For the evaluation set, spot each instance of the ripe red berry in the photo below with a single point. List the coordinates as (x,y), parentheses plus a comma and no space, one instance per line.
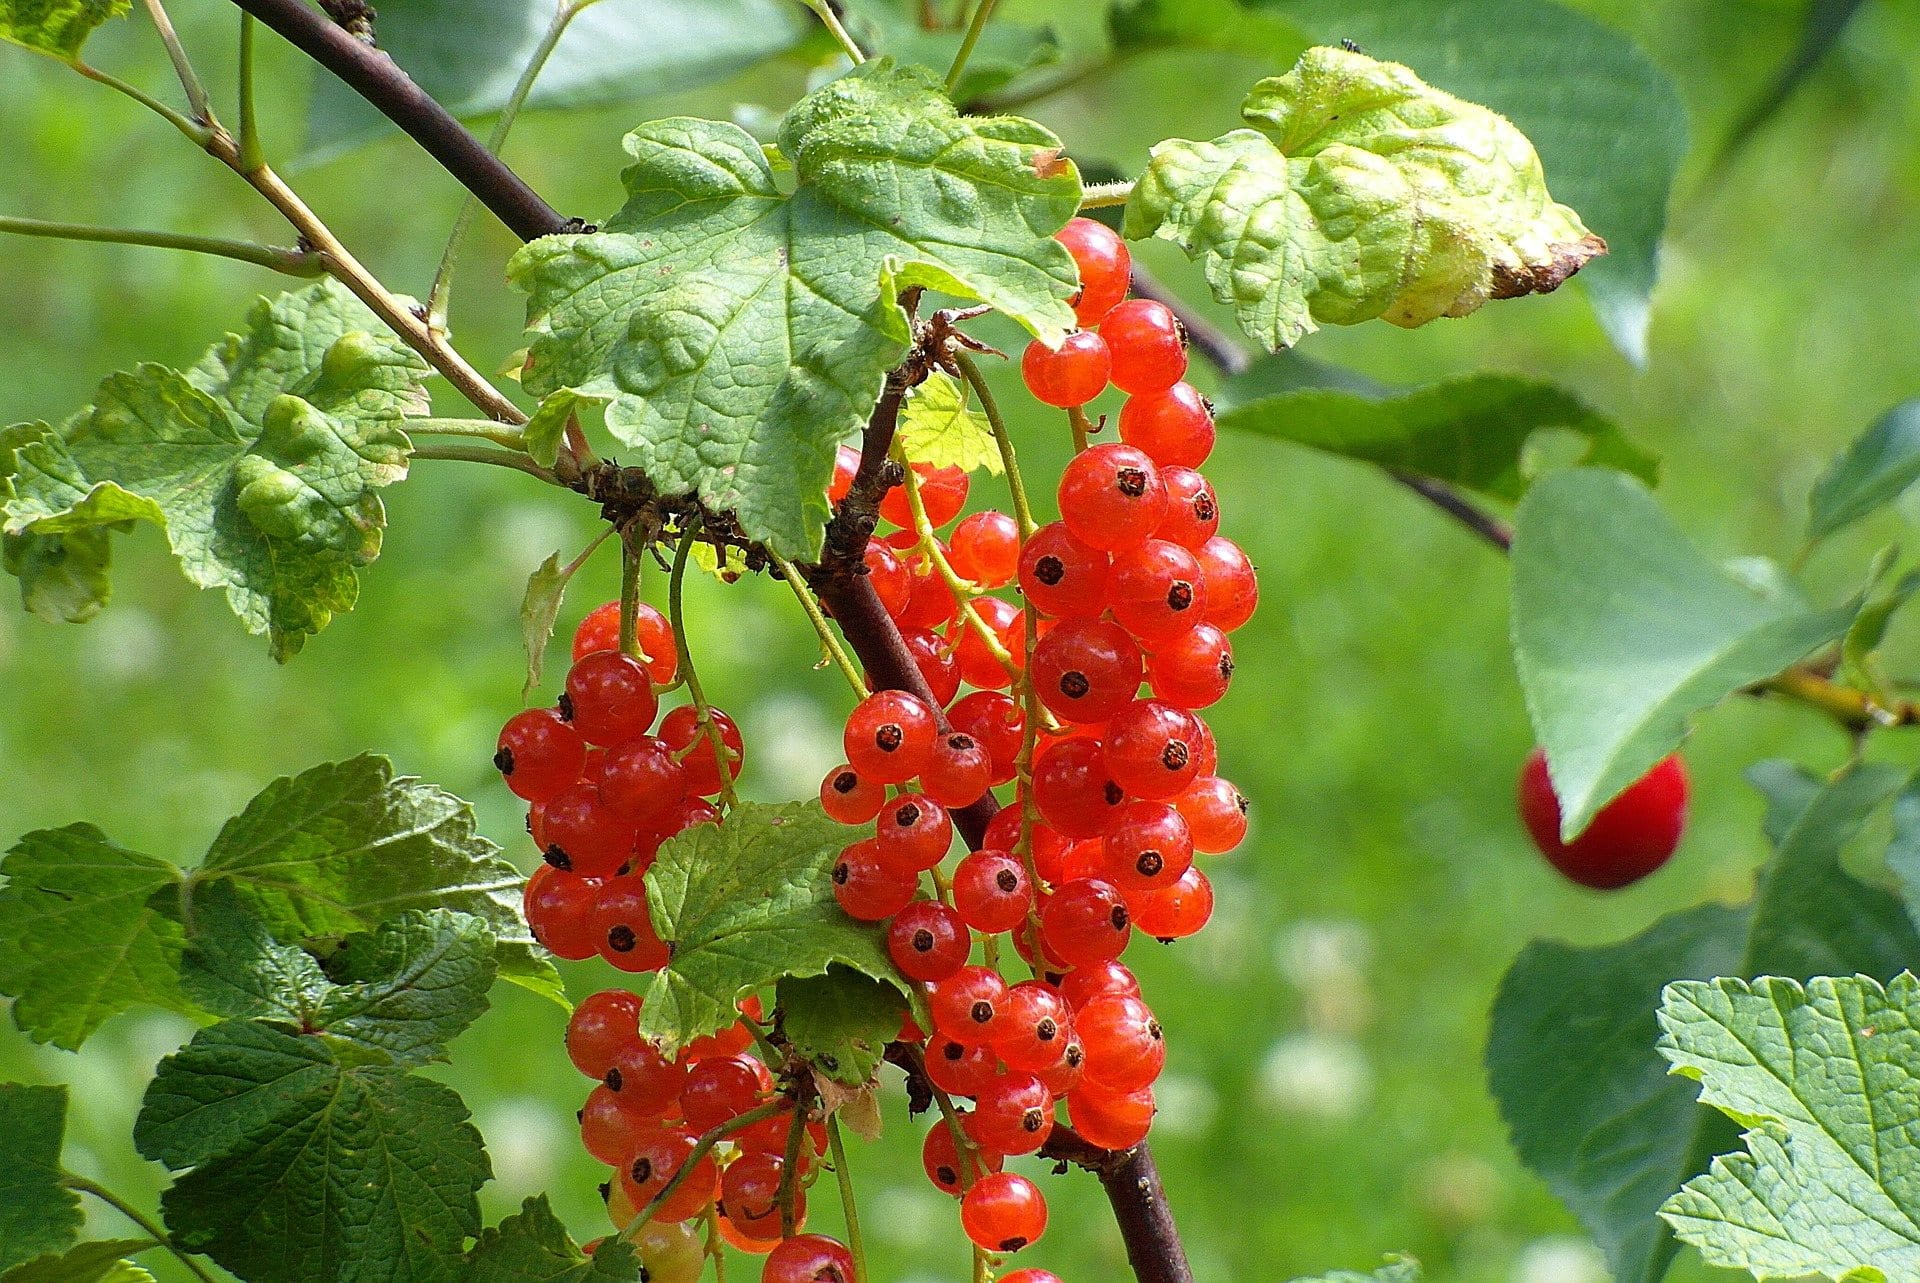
(627,938)
(1003,1212)
(600,630)
(1106,268)
(750,1193)
(641,780)
(1157,591)
(931,604)
(1216,814)
(1083,984)
(1111,1121)
(850,797)
(960,1068)
(584,835)
(1148,344)
(1152,748)
(1035,1028)
(1063,576)
(539,754)
(943,493)
(681,731)
(1087,670)
(609,1131)
(997,724)
(913,832)
(1631,836)
(611,697)
(1148,849)
(1085,922)
(1174,426)
(1111,496)
(978,664)
(935,659)
(808,1258)
(889,736)
(869,888)
(1193,510)
(846,462)
(653,1167)
(1013,1114)
(559,911)
(1123,1041)
(731,1041)
(940,1155)
(1003,834)
(991,892)
(1175,912)
(721,1088)
(1030,1276)
(646,1082)
(928,941)
(1232,588)
(1192,670)
(1072,374)
(966,1005)
(1073,790)
(986,548)
(604,1025)
(959,772)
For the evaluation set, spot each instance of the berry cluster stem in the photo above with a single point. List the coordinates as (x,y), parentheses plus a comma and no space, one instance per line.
(981,12)
(701,1148)
(962,590)
(831,21)
(1082,428)
(848,1206)
(1009,459)
(790,1168)
(703,711)
(81,1184)
(824,630)
(632,560)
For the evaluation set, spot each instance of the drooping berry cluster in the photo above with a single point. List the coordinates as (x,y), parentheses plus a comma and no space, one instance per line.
(605,788)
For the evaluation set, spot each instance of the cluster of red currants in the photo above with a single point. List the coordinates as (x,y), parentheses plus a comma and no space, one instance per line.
(1115,792)
(605,789)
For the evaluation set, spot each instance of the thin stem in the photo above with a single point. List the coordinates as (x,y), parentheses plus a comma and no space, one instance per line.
(1009,461)
(701,1148)
(818,618)
(847,1204)
(703,711)
(716,1247)
(202,135)
(1105,195)
(483,429)
(831,21)
(251,155)
(981,13)
(563,15)
(962,590)
(147,1226)
(486,454)
(790,1170)
(1082,427)
(182,66)
(293,262)
(632,560)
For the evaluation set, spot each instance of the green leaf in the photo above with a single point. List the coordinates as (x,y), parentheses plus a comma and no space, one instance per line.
(1822,1078)
(1609,125)
(56,28)
(87,929)
(1903,851)
(1471,431)
(1857,649)
(409,988)
(740,333)
(939,428)
(546,591)
(1622,630)
(307,1164)
(101,1261)
(533,1247)
(38,1214)
(235,968)
(1223,25)
(468,53)
(1398,1269)
(1825,22)
(1360,192)
(63,578)
(841,1022)
(745,904)
(1004,52)
(262,463)
(1874,471)
(548,426)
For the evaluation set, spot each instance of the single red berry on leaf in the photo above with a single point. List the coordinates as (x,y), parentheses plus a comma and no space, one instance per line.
(914,832)
(1632,835)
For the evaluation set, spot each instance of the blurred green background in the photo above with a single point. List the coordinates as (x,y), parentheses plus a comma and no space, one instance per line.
(1324,1100)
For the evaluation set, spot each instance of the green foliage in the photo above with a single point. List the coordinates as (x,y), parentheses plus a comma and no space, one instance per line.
(1472,431)
(38,1214)
(57,28)
(1600,575)
(262,463)
(546,591)
(739,333)
(1224,25)
(747,903)
(533,1247)
(1005,51)
(100,1261)
(466,54)
(548,426)
(840,1022)
(1874,471)
(939,428)
(1822,1078)
(1397,1269)
(1360,192)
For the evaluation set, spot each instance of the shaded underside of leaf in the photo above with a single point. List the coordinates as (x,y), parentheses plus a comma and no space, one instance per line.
(38,1214)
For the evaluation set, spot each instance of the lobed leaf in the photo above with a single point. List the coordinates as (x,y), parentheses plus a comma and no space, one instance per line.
(57,28)
(97,1261)
(38,1213)
(533,1247)
(840,1022)
(1360,192)
(938,428)
(739,332)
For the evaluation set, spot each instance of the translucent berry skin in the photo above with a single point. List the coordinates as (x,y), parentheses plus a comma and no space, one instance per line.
(559,911)
(721,1088)
(1157,591)
(1111,497)
(539,754)
(889,736)
(646,1082)
(960,771)
(1153,749)
(641,781)
(583,834)
(1110,1121)
(1216,814)
(914,832)
(1175,912)
(986,548)
(940,1156)
(1233,590)
(943,493)
(1035,1027)
(1148,849)
(1003,834)
(1003,1212)
(680,730)
(627,938)
(1083,984)
(960,1068)
(611,696)
(1087,670)
(850,797)
(1030,1276)
(1073,790)
(604,1025)
(869,888)
(1062,575)
(1632,835)
(655,1163)
(846,464)
(1125,1047)
(991,892)
(1194,669)
(750,1191)
(1174,426)
(966,1005)
(978,664)
(931,604)
(1193,509)
(808,1258)
(997,724)
(1086,922)
(1106,268)
(928,941)
(610,1132)
(1072,374)
(1013,1114)
(935,659)
(1148,346)
(600,630)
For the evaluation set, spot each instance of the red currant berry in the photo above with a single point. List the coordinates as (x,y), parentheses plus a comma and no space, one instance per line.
(1192,670)
(931,603)
(1083,984)
(1175,912)
(627,938)
(935,659)
(681,731)
(991,892)
(1631,836)
(1125,1047)
(1232,589)
(600,630)
(943,493)
(978,664)
(1013,1114)
(1062,576)
(960,1068)
(642,781)
(610,1132)
(997,724)
(1111,497)
(959,772)
(928,941)
(849,797)
(1148,849)
(1072,374)
(1073,790)
(869,888)
(1035,1027)
(1106,269)
(690,812)
(750,1193)
(653,1167)
(846,463)
(940,1155)
(1030,1276)
(892,581)
(1003,834)
(539,754)
(966,1005)
(1157,591)
(583,834)
(1087,670)
(1174,426)
(1003,1212)
(646,1082)
(1085,921)
(986,548)
(601,1027)
(1148,344)
(914,832)
(611,697)
(1151,748)
(1193,510)
(559,911)
(808,1258)
(721,1088)
(889,736)
(1216,814)
(1110,1121)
